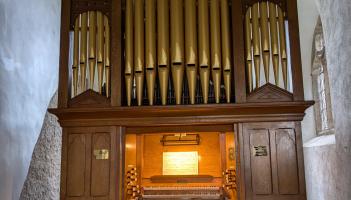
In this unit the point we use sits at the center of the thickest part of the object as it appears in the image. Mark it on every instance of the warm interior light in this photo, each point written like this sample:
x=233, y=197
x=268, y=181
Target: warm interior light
x=180, y=163
x=129, y=146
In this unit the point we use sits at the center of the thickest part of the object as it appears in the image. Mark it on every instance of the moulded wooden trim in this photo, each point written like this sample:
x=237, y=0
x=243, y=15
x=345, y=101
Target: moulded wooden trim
x=182, y=115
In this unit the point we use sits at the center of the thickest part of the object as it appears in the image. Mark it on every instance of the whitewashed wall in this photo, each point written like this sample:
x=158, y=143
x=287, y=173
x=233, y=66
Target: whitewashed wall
x=29, y=53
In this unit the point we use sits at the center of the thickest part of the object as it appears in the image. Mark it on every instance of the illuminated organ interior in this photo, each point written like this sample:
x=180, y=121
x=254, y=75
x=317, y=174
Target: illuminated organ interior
x=157, y=170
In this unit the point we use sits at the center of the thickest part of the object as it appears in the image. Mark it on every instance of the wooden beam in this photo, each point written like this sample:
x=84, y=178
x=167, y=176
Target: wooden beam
x=238, y=52
x=295, y=52
x=64, y=54
x=116, y=53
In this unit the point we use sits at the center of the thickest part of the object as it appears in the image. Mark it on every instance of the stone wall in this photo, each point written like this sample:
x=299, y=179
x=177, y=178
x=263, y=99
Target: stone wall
x=320, y=165
x=43, y=179
x=336, y=20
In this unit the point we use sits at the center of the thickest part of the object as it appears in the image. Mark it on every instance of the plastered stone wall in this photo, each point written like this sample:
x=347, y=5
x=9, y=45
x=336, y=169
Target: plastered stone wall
x=43, y=179
x=336, y=20
x=29, y=54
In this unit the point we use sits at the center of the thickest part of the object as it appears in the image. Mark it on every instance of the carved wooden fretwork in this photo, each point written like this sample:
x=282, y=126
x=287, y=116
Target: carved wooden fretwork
x=248, y=3
x=81, y=6
x=270, y=93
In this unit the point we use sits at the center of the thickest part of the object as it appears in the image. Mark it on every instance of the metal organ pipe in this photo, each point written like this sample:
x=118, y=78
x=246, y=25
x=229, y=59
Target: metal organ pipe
x=139, y=48
x=163, y=47
x=107, y=55
x=150, y=35
x=248, y=43
x=215, y=47
x=204, y=48
x=283, y=53
x=177, y=47
x=256, y=42
x=265, y=38
x=226, y=58
x=83, y=49
x=191, y=46
x=129, y=49
x=100, y=48
x=92, y=46
x=75, y=56
x=274, y=40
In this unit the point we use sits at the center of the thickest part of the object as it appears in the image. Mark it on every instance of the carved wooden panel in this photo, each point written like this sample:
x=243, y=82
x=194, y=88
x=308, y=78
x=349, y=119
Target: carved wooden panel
x=76, y=165
x=286, y=161
x=89, y=158
x=276, y=172
x=260, y=164
x=100, y=166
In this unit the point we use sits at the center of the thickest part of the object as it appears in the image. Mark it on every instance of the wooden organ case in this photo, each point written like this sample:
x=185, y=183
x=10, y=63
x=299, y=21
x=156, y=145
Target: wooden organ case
x=214, y=82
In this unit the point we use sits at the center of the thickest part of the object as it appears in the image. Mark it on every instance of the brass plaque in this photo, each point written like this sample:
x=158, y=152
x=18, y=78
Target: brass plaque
x=260, y=151
x=101, y=154
x=180, y=163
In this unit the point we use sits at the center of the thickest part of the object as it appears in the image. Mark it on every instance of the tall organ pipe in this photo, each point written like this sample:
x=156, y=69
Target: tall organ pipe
x=265, y=38
x=191, y=46
x=150, y=36
x=107, y=55
x=92, y=46
x=83, y=49
x=256, y=42
x=283, y=53
x=129, y=48
x=163, y=47
x=177, y=47
x=215, y=47
x=139, y=49
x=75, y=56
x=100, y=48
x=248, y=32
x=226, y=60
x=204, y=48
x=274, y=40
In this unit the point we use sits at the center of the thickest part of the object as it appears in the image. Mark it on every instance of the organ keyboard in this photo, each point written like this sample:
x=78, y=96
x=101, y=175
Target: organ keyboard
x=179, y=192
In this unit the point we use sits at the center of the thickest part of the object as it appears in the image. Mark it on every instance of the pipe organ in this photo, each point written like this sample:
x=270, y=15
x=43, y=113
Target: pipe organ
x=179, y=50
x=264, y=24
x=181, y=99
x=91, y=48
